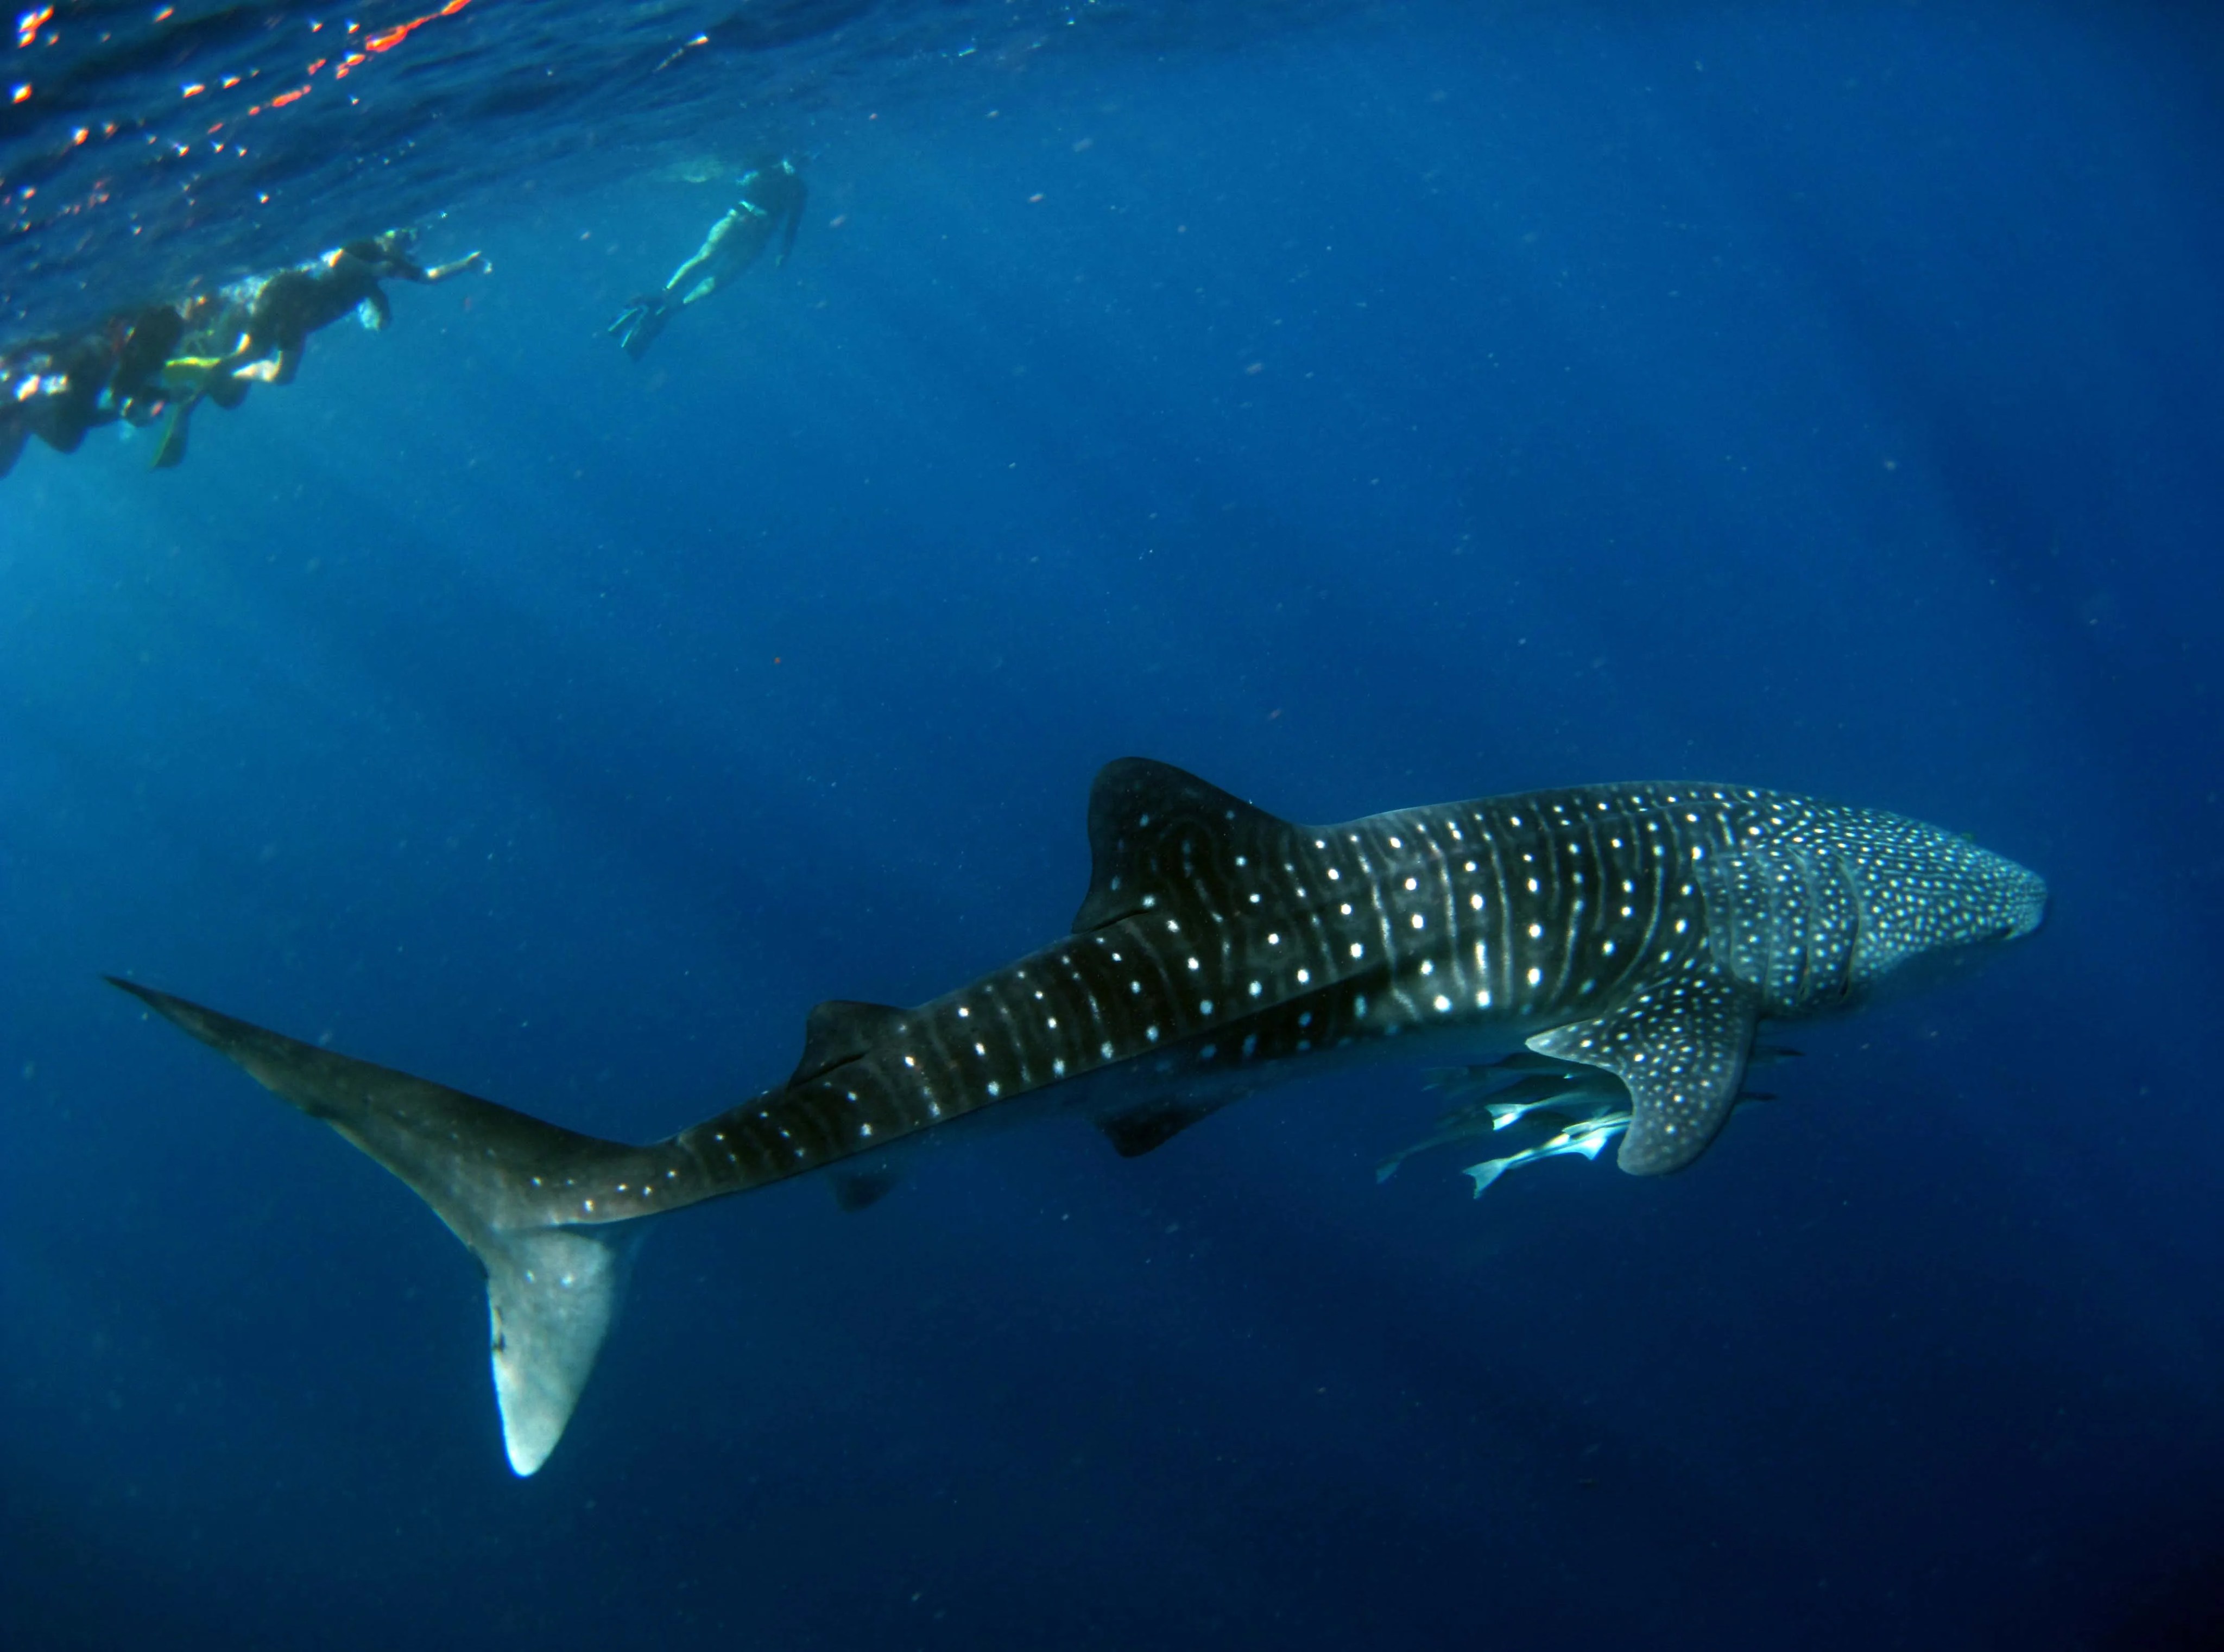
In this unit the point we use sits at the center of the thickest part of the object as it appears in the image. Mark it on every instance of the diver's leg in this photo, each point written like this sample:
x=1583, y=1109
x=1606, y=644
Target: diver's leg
x=685, y=274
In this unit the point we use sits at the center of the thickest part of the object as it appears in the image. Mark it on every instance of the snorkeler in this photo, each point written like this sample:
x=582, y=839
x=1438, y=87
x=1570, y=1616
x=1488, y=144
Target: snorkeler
x=215, y=322
x=61, y=388
x=54, y=394
x=284, y=309
x=771, y=203
x=146, y=340
x=262, y=324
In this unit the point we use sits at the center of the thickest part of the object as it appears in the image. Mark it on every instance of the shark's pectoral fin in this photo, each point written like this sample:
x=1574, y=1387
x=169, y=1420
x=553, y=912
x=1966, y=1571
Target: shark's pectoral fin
x=856, y=1190
x=1680, y=1046
x=494, y=1177
x=1137, y=1131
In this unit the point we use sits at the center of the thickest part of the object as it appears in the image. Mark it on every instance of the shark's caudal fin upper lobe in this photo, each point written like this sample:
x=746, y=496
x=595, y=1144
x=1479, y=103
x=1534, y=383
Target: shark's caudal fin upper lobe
x=552, y=1288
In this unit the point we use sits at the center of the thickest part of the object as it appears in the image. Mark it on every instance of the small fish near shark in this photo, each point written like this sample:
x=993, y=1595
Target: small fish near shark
x=1582, y=1108
x=1611, y=948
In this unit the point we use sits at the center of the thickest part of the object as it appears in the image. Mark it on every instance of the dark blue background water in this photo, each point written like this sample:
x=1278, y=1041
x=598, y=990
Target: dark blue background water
x=1410, y=407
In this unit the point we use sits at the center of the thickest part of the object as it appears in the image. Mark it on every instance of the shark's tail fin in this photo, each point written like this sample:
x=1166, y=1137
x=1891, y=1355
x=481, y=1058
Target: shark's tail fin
x=496, y=1177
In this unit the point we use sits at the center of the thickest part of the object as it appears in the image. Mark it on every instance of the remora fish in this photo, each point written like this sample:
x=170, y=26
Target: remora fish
x=1642, y=931
x=1525, y=1088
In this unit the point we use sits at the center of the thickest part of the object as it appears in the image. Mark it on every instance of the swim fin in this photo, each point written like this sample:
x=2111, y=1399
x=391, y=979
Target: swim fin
x=170, y=451
x=640, y=323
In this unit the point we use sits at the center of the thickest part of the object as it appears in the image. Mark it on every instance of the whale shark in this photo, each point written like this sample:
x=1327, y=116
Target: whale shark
x=1626, y=942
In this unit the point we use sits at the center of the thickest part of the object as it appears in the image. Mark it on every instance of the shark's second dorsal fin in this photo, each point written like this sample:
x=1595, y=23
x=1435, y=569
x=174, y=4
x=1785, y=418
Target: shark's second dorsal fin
x=1159, y=836
x=841, y=1029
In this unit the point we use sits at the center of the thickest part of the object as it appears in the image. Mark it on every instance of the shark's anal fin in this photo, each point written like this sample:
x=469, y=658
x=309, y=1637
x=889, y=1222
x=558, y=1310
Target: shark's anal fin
x=1680, y=1047
x=490, y=1173
x=1161, y=838
x=841, y=1029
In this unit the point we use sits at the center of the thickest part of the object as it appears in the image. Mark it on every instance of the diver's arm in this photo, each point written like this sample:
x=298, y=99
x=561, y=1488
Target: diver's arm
x=442, y=271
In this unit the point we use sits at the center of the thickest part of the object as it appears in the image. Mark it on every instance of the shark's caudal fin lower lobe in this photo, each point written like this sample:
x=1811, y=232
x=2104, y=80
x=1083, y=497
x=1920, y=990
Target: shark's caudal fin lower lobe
x=491, y=1175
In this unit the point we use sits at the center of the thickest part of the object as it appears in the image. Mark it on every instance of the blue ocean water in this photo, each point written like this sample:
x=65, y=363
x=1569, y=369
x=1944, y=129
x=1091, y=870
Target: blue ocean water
x=1360, y=407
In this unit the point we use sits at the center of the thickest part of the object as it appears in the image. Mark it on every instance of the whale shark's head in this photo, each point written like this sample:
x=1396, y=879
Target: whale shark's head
x=1927, y=893
x=2022, y=898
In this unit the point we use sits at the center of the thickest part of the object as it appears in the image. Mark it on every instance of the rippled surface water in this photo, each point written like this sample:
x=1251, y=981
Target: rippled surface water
x=148, y=149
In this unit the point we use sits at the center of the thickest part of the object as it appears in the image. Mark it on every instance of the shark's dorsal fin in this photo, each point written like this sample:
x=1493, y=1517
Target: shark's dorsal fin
x=1680, y=1046
x=1159, y=837
x=841, y=1029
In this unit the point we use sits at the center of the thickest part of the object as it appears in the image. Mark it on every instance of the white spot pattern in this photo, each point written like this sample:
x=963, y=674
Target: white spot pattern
x=1730, y=903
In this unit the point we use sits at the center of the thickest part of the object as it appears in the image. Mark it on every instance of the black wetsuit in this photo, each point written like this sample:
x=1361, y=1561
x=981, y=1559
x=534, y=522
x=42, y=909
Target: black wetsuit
x=291, y=305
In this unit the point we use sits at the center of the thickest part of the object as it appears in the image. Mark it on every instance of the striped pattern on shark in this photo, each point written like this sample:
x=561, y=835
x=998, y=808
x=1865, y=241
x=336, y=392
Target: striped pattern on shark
x=1641, y=931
